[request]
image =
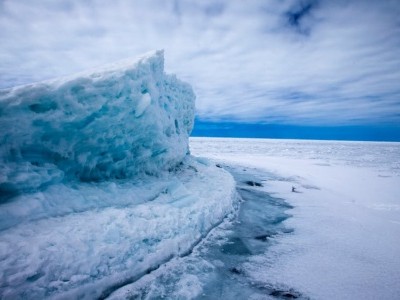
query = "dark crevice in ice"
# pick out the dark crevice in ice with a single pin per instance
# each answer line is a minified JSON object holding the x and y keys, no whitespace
{"x":253,"y":183}
{"x":285,"y":294}
{"x":106,"y":293}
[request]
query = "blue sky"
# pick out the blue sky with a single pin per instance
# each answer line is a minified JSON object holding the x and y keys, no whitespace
{"x":311,"y":63}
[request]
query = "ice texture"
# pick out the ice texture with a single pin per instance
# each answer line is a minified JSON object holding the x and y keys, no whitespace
{"x":87,"y":255}
{"x":119,"y":121}
{"x":97,"y":185}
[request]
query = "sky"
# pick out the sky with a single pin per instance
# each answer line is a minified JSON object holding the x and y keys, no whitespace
{"x":313,"y":63}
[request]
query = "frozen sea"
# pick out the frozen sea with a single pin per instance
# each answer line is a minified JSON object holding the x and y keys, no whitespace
{"x":336,"y":237}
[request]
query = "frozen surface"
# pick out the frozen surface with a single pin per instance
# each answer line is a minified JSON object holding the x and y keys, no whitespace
{"x":97,"y":187}
{"x":346,"y":215}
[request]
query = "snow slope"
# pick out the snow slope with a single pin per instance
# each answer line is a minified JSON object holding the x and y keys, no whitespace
{"x":97,"y":187}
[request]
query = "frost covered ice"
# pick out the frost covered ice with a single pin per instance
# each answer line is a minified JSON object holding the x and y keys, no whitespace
{"x":114,"y":122}
{"x":97,"y":185}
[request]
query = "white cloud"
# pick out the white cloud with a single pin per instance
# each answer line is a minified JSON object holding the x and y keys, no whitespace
{"x":335,"y":62}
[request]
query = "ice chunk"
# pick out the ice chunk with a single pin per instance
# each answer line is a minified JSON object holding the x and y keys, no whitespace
{"x":120,"y":121}
{"x":143,"y":104}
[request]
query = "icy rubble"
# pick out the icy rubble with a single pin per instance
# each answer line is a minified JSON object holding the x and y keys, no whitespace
{"x":96,"y":183}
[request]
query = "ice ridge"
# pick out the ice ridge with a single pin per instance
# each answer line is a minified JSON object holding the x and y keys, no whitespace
{"x":120,"y":121}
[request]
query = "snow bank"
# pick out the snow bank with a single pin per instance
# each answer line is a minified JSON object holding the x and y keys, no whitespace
{"x":116,"y":122}
{"x":97,"y":187}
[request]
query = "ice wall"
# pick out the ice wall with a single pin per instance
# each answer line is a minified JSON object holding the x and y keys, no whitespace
{"x":120,"y":121}
{"x":96,"y":187}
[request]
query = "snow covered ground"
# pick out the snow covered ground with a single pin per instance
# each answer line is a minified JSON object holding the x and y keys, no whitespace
{"x":346,"y":215}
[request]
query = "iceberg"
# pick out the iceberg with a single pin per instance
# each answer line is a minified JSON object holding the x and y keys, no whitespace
{"x":116,"y":122}
{"x":97,"y":184}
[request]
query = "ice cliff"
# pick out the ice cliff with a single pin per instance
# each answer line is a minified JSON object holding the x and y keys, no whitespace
{"x":97,"y":186}
{"x":117,"y":122}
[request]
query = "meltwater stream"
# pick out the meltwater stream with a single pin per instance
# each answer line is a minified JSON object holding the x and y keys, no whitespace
{"x":216,"y":268}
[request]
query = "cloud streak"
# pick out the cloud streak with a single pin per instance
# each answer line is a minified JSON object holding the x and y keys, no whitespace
{"x":290,"y":62}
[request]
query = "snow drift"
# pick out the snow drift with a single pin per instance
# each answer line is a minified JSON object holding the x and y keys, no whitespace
{"x":96,"y":183}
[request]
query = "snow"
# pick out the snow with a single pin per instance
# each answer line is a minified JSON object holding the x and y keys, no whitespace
{"x":346,"y":215}
{"x":142,"y":104}
{"x":97,"y":184}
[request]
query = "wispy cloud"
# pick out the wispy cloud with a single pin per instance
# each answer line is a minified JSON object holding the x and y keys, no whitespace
{"x":293,"y":61}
